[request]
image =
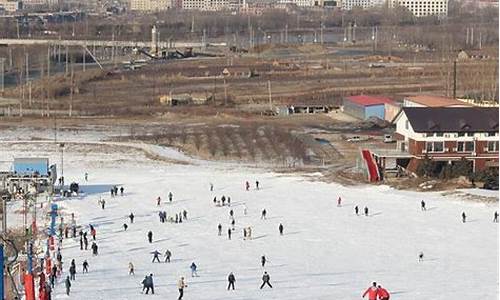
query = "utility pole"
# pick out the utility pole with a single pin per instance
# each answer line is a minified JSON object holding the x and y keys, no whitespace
{"x":27,"y":67}
{"x":286,"y":33}
{"x":455,"y":79}
{"x":2,"y":75}
{"x":48,"y":61}
{"x":71,"y":92}
{"x":321,"y":33}
{"x":270,"y":95}
{"x":225,"y":92}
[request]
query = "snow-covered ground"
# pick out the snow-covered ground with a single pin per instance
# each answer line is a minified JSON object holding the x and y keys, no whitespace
{"x":327,"y":252}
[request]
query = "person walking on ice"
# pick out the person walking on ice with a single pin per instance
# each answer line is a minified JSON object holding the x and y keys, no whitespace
{"x":193,"y":268}
{"x":150,"y":236}
{"x":280,"y":228}
{"x":356,"y":210}
{"x":263,"y":260}
{"x":464,"y":217}
{"x":181,"y":285}
{"x":67,"y":283}
{"x":131,"y":268}
{"x":231,"y":279}
{"x":422,"y":205}
{"x":219,"y":227}
{"x":168,"y":254}
{"x":158,"y":201}
{"x":131,"y":217}
{"x":229,"y":232}
{"x":211,"y":187}
{"x":121,"y":191}
{"x":170,"y":197}
{"x":383,"y":294}
{"x":257,"y":185}
{"x":366,"y":211}
{"x":156,"y":257}
{"x":495,"y":217}
{"x":247,"y":186}
{"x":339,"y":202}
{"x":265,"y":280}
{"x":372,"y":292}
{"x":85,"y":266}
{"x":263,"y":214}
{"x":86,"y":176}
{"x":421,"y":256}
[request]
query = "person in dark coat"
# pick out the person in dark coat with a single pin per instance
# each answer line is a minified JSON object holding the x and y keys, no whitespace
{"x":422,"y":205}
{"x":150,"y":284}
{"x":229,"y":231}
{"x":231,"y":279}
{"x":125,"y":226}
{"x":121,"y":190}
{"x":464,"y":217}
{"x":72,"y":272}
{"x":94,"y":249}
{"x":356,"y":210}
{"x":156,"y":257}
{"x":67,"y":283}
{"x":150,"y":237}
{"x":263,"y":260}
{"x":366,"y":211}
{"x":219,"y":227}
{"x":85,"y":266}
{"x":265,"y":280}
{"x":280,"y":228}
{"x":168,"y":254}
{"x":131,"y":217}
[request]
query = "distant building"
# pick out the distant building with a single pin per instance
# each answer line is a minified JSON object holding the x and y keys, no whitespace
{"x":364,"y":107}
{"x":350,"y":4}
{"x":301,"y":3}
{"x":11,"y":6}
{"x":150,"y":5}
{"x":423,"y":8}
{"x":210,"y":5}
{"x":432,"y":101}
{"x":448,"y":135}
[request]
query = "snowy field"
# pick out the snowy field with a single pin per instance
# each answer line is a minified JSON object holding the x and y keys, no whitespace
{"x":327,"y":252}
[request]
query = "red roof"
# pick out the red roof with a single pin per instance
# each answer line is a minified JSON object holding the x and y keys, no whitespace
{"x":370,"y":100}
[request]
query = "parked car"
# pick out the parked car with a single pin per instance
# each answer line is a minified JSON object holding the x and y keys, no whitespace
{"x":355,"y":138}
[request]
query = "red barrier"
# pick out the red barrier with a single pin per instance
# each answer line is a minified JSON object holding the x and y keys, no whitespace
{"x":48,"y":266}
{"x":29,"y":287}
{"x":373,"y":173}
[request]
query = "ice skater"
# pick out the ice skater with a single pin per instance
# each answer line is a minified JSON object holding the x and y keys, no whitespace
{"x":131,"y":270}
{"x":131,"y":217}
{"x":263,"y":260}
{"x":229,"y":232}
{"x":150,"y":236}
{"x":280,"y":228}
{"x":356,"y":210}
{"x":247,"y":186}
{"x":265,"y":280}
{"x":219,"y":227}
{"x":263,"y":214}
{"x":366,"y":211}
{"x":85,"y":266}
{"x":170,"y":197}
{"x":257,"y":185}
{"x":168,"y":254}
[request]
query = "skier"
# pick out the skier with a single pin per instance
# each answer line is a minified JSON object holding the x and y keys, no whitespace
{"x":150,"y":236}
{"x":280,"y":228}
{"x":383,"y":294}
{"x":495,"y":217}
{"x":94,"y":249}
{"x":211,"y":187}
{"x":422,"y":205}
{"x":193,"y":270}
{"x":170,"y":196}
{"x":125,"y":226}
{"x":72,"y":272}
{"x":257,"y":184}
{"x":244,"y":233}
{"x":85,"y":266}
{"x":339,"y":202}
{"x":185,"y":214}
{"x":356,"y":210}
{"x":148,"y":284}
{"x":121,"y":190}
{"x":219,"y":227}
{"x":86,"y":176}
{"x":168,"y":254}
{"x":229,"y":201}
{"x":67,"y":283}
{"x":131,"y":268}
{"x":247,"y":186}
{"x":155,"y":256}
{"x":464,"y":217}
{"x":229,"y":233}
{"x":158,"y":201}
{"x":366,"y":211}
{"x":231,"y":213}
{"x":263,"y":215}
{"x":263,"y":260}
{"x":372,"y":292}
{"x":181,"y":284}
{"x":131,"y":217}
{"x":232,"y":223}
{"x":223,"y":199}
{"x":231,"y":279}
{"x":265,"y":280}
{"x":421,"y":256}
{"x":81,"y":243}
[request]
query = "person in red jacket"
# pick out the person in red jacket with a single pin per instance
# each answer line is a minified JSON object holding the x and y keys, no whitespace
{"x":383,"y":294}
{"x":372,"y":292}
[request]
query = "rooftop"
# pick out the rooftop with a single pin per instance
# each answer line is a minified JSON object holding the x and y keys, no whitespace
{"x":436,"y":101}
{"x":452,"y":119}
{"x":366,"y":100}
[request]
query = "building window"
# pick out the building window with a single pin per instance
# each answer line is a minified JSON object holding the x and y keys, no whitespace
{"x":493,"y":146}
{"x":465,"y":146}
{"x":429,"y":134}
{"x":407,"y":124}
{"x":462,"y":134}
{"x":434,"y":146}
